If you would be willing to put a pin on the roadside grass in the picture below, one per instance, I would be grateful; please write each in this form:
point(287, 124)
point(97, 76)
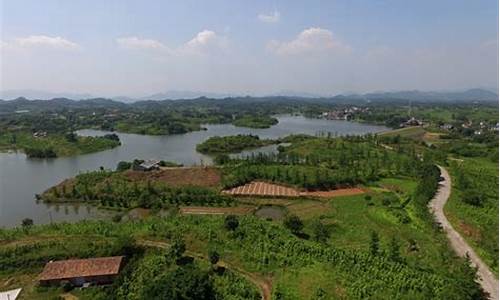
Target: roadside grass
point(477, 224)
point(402, 184)
point(351, 220)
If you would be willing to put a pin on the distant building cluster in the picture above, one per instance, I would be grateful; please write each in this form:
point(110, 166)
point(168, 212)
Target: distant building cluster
point(478, 128)
point(343, 114)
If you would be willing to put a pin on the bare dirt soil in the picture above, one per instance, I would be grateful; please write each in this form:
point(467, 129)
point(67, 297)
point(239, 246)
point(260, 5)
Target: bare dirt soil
point(199, 176)
point(334, 193)
point(202, 210)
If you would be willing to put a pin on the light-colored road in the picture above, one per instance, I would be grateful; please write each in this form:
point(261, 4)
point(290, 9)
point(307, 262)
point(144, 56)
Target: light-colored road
point(487, 279)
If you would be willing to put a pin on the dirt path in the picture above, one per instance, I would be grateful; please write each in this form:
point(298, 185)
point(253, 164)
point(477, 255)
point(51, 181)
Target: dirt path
point(264, 284)
point(486, 278)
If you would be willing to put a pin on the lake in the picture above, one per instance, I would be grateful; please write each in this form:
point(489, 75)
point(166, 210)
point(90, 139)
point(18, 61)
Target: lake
point(21, 178)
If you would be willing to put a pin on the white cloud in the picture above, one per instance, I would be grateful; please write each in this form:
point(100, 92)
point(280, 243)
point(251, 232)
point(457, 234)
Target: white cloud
point(56, 42)
point(204, 42)
point(138, 43)
point(269, 18)
point(310, 40)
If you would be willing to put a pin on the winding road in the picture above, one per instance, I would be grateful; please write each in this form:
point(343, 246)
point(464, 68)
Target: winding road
point(487, 279)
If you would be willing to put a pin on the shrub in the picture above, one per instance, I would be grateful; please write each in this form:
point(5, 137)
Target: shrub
point(293, 223)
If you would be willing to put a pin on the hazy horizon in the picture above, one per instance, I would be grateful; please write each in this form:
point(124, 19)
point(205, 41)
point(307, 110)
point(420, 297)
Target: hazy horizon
point(128, 48)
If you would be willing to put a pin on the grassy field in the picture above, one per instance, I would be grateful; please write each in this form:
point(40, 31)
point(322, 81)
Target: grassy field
point(416, 133)
point(478, 224)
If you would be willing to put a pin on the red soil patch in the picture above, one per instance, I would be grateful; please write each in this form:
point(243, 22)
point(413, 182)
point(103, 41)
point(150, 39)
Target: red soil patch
point(201, 210)
point(334, 193)
point(470, 231)
point(199, 176)
point(259, 188)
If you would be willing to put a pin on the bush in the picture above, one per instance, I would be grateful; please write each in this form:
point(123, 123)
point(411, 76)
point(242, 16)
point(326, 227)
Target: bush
point(231, 222)
point(293, 223)
point(320, 231)
point(473, 197)
point(123, 166)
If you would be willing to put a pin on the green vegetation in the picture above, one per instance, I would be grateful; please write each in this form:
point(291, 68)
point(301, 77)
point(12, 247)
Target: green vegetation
point(382, 244)
point(149, 272)
point(54, 145)
point(231, 144)
point(116, 189)
point(254, 121)
point(256, 246)
point(473, 206)
point(323, 163)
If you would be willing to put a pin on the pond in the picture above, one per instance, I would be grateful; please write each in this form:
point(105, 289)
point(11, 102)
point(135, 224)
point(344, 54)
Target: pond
point(21, 178)
point(272, 212)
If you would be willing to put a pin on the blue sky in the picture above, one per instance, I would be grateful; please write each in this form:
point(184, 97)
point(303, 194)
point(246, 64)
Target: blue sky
point(137, 48)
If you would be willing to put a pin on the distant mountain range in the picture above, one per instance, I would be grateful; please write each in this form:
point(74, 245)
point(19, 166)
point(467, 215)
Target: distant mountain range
point(468, 95)
point(419, 96)
point(41, 95)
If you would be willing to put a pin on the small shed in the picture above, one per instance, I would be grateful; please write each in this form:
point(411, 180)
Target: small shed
point(10, 295)
point(149, 165)
point(101, 270)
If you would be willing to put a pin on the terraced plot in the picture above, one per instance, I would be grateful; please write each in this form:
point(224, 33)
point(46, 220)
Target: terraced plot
point(259, 188)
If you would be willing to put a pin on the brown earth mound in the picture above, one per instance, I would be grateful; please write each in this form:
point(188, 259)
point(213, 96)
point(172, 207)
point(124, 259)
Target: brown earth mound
point(199, 176)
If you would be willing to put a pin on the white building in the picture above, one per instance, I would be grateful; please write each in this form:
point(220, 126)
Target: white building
point(10, 295)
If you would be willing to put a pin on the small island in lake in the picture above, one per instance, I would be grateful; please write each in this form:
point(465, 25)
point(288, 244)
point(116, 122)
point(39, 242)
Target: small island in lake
point(231, 144)
point(255, 121)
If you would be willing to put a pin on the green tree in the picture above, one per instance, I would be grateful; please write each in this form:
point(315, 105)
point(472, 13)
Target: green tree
point(293, 223)
point(394, 250)
point(231, 222)
point(177, 248)
point(213, 256)
point(320, 231)
point(374, 243)
point(26, 223)
point(123, 166)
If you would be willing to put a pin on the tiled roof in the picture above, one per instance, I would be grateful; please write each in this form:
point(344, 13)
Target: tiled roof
point(72, 268)
point(149, 163)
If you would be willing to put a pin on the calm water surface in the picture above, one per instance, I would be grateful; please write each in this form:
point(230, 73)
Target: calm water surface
point(21, 178)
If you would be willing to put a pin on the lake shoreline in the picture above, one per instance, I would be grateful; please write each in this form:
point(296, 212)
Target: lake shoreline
point(17, 200)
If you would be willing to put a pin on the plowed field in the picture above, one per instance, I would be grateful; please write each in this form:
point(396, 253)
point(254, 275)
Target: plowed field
point(259, 188)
